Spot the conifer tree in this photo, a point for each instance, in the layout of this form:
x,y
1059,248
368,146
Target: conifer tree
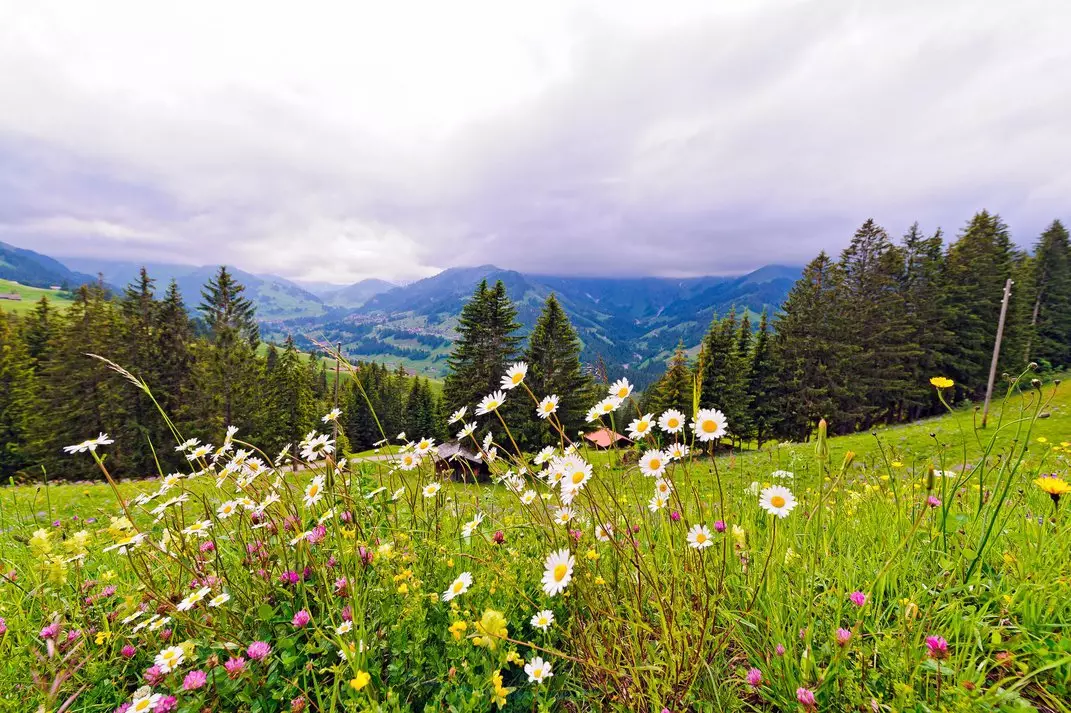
x,y
173,373
486,344
553,358
719,367
38,329
976,266
925,298
762,387
290,399
811,352
674,390
1051,311
144,431
230,366
871,267
18,402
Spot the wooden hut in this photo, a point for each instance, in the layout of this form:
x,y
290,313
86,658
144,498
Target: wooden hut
x,y
605,438
461,463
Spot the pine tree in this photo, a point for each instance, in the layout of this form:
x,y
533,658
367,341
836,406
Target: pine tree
x,y
486,343
925,299
233,338
1051,310
290,400
742,377
38,329
144,431
812,354
871,267
553,358
674,390
420,410
18,400
719,368
173,374
976,266
761,388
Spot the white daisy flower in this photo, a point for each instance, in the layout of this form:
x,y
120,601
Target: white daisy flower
x,y
144,701
558,572
542,619
671,421
699,537
490,403
604,532
408,461
653,463
186,445
641,427
467,430
709,424
344,628
677,451
331,415
458,415
90,445
777,500
620,389
397,493
514,375
227,509
424,445
170,658
432,489
593,414
459,586
547,406
219,600
192,598
538,670
471,525
199,528
608,405
544,455
782,475
564,515
528,497
663,487
314,491
577,472
657,502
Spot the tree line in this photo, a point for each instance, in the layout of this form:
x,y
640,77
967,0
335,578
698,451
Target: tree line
x,y
858,337
206,370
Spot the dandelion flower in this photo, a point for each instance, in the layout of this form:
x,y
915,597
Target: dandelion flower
x,y
170,658
1054,486
699,537
558,572
942,382
777,500
514,375
620,389
458,415
542,619
538,670
547,406
459,586
653,463
709,424
490,403
641,427
671,421
432,489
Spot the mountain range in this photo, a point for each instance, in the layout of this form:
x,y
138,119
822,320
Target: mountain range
x,y
632,324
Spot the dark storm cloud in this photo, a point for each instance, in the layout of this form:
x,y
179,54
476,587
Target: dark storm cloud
x,y
715,144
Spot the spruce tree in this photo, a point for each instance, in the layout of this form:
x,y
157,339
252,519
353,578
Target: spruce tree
x,y
722,380
173,374
976,266
674,389
18,400
553,358
290,400
871,267
230,369
38,329
144,431
1051,309
925,299
762,386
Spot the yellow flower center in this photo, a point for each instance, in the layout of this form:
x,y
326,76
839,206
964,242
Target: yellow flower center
x,y
641,427
458,586
673,422
559,572
142,704
313,489
709,426
700,538
517,378
655,464
578,476
777,501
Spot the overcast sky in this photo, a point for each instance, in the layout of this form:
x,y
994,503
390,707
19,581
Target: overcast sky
x,y
336,141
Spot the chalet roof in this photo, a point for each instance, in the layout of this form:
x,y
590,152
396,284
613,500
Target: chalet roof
x,y
453,449
604,437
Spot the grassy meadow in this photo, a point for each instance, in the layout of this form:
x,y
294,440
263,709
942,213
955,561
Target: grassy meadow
x,y
30,297
918,568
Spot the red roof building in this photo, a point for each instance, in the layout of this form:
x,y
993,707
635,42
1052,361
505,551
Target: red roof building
x,y
604,438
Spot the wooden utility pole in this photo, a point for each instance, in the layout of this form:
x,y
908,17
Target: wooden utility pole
x,y
996,350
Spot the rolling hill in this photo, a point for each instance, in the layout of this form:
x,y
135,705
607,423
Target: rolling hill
x,y
36,270
29,297
633,324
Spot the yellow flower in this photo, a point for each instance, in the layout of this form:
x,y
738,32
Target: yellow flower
x,y
1055,487
897,464
492,627
942,382
39,544
103,636
500,691
458,629
514,658
1042,439
592,554
360,680
600,580
403,588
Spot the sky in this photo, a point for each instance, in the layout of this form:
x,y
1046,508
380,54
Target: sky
x,y
338,141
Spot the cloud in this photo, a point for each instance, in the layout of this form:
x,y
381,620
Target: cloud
x,y
392,140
